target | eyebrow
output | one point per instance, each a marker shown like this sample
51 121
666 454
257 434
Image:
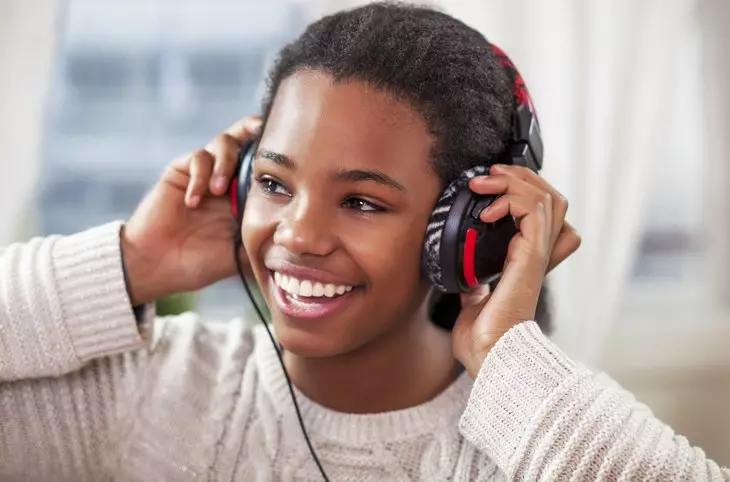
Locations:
343 175
278 158
358 175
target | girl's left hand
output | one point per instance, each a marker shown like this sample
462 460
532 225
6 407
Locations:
542 242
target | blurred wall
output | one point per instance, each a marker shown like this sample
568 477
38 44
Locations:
136 84
670 349
27 40
714 17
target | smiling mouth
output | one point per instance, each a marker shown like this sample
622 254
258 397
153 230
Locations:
307 299
305 289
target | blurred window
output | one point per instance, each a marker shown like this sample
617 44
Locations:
94 75
139 82
672 249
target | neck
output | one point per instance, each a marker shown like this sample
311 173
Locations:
402 369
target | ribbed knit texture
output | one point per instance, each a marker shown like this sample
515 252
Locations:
85 396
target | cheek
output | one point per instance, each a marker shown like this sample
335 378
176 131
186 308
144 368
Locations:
390 255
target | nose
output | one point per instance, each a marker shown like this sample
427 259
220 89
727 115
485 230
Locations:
306 229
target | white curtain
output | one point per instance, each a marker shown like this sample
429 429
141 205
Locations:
27 41
601 74
714 17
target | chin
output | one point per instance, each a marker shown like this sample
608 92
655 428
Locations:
317 327
308 343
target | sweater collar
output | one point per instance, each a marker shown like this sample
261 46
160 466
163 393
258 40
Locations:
443 410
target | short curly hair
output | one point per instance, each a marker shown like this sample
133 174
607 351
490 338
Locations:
443 68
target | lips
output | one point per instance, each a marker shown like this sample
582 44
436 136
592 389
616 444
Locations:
302 293
309 308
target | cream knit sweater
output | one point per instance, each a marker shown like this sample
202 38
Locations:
87 395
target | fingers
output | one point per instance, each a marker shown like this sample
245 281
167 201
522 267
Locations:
513 192
538 208
533 219
504 185
211 169
567 243
224 150
559 202
201 168
245 129
529 205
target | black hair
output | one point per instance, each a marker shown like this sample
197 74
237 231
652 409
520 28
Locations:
445 69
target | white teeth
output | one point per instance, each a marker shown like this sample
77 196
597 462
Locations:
306 288
293 286
329 290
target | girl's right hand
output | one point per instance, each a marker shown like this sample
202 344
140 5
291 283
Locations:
180 238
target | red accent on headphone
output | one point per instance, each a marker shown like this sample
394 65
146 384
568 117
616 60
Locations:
519 89
234 200
470 247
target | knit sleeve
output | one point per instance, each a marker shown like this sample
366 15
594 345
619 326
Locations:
541 416
63 302
69 354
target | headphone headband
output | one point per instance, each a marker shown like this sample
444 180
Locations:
526 147
519 89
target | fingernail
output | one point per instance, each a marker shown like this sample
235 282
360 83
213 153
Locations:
257 126
219 183
194 200
477 179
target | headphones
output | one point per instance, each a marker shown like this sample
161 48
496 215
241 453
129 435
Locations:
455 234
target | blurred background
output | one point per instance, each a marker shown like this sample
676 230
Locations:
97 96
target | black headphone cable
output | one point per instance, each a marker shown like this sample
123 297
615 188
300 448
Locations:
238 242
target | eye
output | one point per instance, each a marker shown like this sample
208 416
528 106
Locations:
270 186
362 205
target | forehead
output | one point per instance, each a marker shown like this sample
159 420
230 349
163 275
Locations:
314 119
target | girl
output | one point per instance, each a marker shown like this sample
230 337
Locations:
370 114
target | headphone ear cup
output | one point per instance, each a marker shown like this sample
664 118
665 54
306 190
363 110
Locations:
458 247
431 264
441 257
242 180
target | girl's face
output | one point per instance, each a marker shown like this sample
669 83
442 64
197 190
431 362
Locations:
335 219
